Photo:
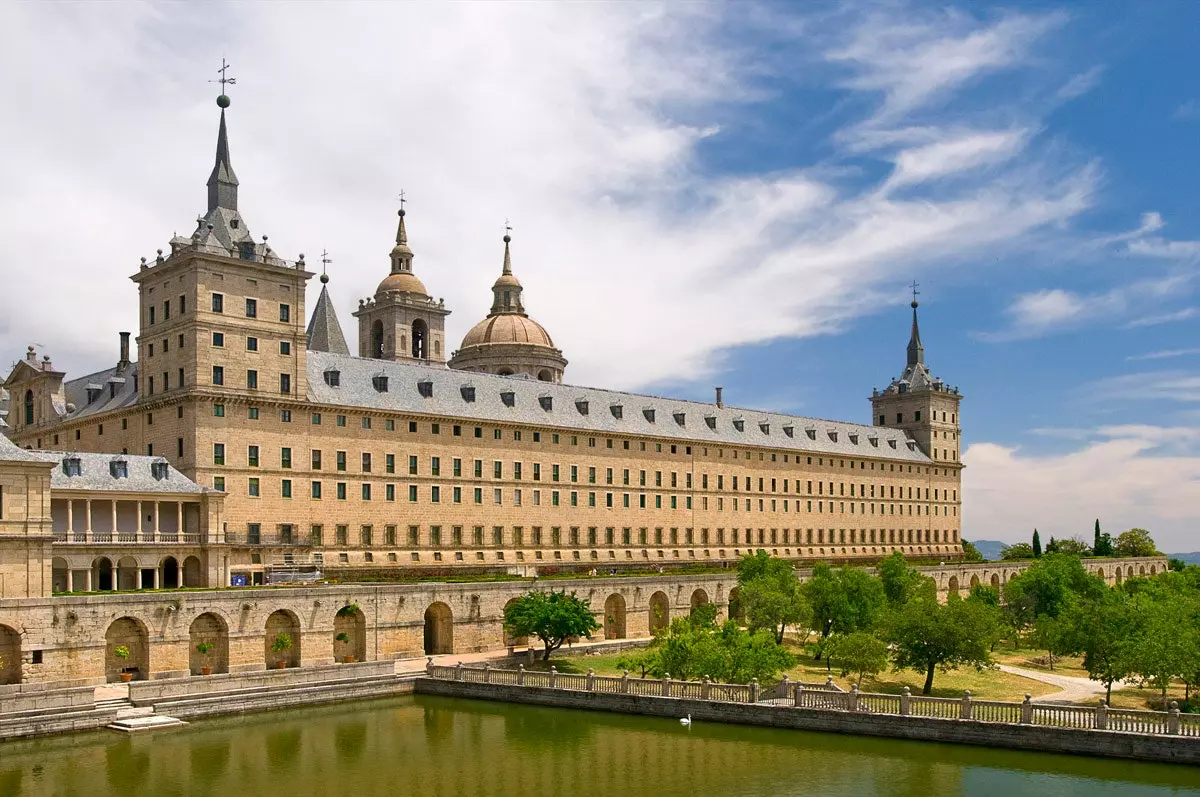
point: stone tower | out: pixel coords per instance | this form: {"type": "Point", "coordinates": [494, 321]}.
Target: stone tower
{"type": "Point", "coordinates": [508, 341]}
{"type": "Point", "coordinates": [922, 405]}
{"type": "Point", "coordinates": [402, 322]}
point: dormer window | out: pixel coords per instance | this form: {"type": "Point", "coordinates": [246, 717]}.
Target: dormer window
{"type": "Point", "coordinates": [380, 383]}
{"type": "Point", "coordinates": [508, 398]}
{"type": "Point", "coordinates": [711, 420]}
{"type": "Point", "coordinates": [72, 466]}
{"type": "Point", "coordinates": [739, 424]}
{"type": "Point", "coordinates": [547, 402]}
{"type": "Point", "coordinates": [892, 443]}
{"type": "Point", "coordinates": [912, 446]}
{"type": "Point", "coordinates": [468, 393]}
{"type": "Point", "coordinates": [649, 413]}
{"type": "Point", "coordinates": [246, 250]}
{"type": "Point", "coordinates": [680, 418]}
{"type": "Point", "coordinates": [160, 470]}
{"type": "Point", "coordinates": [425, 388]}
{"type": "Point", "coordinates": [833, 436]}
{"type": "Point", "coordinates": [582, 406]}
{"type": "Point", "coordinates": [617, 411]}
{"type": "Point", "coordinates": [811, 432]}
{"type": "Point", "coordinates": [93, 392]}
{"type": "Point", "coordinates": [119, 469]}
{"type": "Point", "coordinates": [333, 378]}
{"type": "Point", "coordinates": [764, 427]}
{"type": "Point", "coordinates": [853, 438]}
{"type": "Point", "coordinates": [874, 441]}
{"type": "Point", "coordinates": [789, 430]}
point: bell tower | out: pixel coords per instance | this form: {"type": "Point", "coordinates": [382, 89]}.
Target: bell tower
{"type": "Point", "coordinates": [921, 404]}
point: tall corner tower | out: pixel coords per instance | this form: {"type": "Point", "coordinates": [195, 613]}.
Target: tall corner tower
{"type": "Point", "coordinates": [402, 322]}
{"type": "Point", "coordinates": [922, 405]}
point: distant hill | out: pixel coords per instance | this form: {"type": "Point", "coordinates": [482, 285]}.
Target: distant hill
{"type": "Point", "coordinates": [1191, 558]}
{"type": "Point", "coordinates": [991, 548]}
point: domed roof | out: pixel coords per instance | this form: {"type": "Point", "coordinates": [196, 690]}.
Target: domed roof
{"type": "Point", "coordinates": [508, 328]}
{"type": "Point", "coordinates": [404, 281]}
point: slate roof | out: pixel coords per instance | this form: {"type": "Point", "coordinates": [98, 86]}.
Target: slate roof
{"type": "Point", "coordinates": [96, 473]}
{"type": "Point", "coordinates": [115, 388]}
{"type": "Point", "coordinates": [4, 405]}
{"type": "Point", "coordinates": [11, 452]}
{"type": "Point", "coordinates": [324, 331]}
{"type": "Point", "coordinates": [522, 400]}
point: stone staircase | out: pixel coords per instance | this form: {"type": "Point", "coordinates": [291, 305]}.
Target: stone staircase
{"type": "Point", "coordinates": [132, 719]}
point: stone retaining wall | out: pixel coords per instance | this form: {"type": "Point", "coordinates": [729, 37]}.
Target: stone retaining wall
{"type": "Point", "coordinates": [145, 693]}
{"type": "Point", "coordinates": [1166, 749]}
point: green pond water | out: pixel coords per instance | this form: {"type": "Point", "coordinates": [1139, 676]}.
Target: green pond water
{"type": "Point", "coordinates": [441, 746]}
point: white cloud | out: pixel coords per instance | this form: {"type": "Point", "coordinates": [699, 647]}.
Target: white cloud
{"type": "Point", "coordinates": [1163, 318]}
{"type": "Point", "coordinates": [1176, 386]}
{"type": "Point", "coordinates": [1127, 476]}
{"type": "Point", "coordinates": [1189, 109]}
{"type": "Point", "coordinates": [578, 122]}
{"type": "Point", "coordinates": [1081, 84]}
{"type": "Point", "coordinates": [1164, 354]}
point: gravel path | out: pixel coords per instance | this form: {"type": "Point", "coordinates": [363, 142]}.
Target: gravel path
{"type": "Point", "coordinates": [1072, 689]}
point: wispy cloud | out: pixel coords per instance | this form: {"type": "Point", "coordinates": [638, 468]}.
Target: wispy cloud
{"type": "Point", "coordinates": [1163, 318]}
{"type": "Point", "coordinates": [1187, 110]}
{"type": "Point", "coordinates": [1165, 354]}
{"type": "Point", "coordinates": [1080, 84]}
{"type": "Point", "coordinates": [1175, 386]}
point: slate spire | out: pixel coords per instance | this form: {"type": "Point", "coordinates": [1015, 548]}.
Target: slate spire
{"type": "Point", "coordinates": [324, 332]}
{"type": "Point", "coordinates": [916, 352]}
{"type": "Point", "coordinates": [222, 183]}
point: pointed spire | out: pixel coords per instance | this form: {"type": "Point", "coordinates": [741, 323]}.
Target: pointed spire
{"type": "Point", "coordinates": [222, 183]}
{"type": "Point", "coordinates": [507, 255]}
{"type": "Point", "coordinates": [916, 351]}
{"type": "Point", "coordinates": [507, 289]}
{"type": "Point", "coordinates": [324, 331]}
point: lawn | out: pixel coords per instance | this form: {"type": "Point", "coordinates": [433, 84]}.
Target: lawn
{"type": "Point", "coordinates": [1036, 660]}
{"type": "Point", "coordinates": [1148, 699]}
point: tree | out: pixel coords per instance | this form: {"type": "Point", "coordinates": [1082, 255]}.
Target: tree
{"type": "Point", "coordinates": [1020, 550]}
{"type": "Point", "coordinates": [1037, 545]}
{"type": "Point", "coordinates": [971, 553]}
{"type": "Point", "coordinates": [553, 617]}
{"type": "Point", "coordinates": [843, 601]}
{"type": "Point", "coordinates": [927, 636]}
{"type": "Point", "coordinates": [1043, 591]}
{"type": "Point", "coordinates": [859, 652]}
{"type": "Point", "coordinates": [1100, 627]}
{"type": "Point", "coordinates": [770, 595]}
{"type": "Point", "coordinates": [990, 597]}
{"type": "Point", "coordinates": [900, 580]}
{"type": "Point", "coordinates": [1104, 546]}
{"type": "Point", "coordinates": [1072, 546]}
{"type": "Point", "coordinates": [1165, 642]}
{"type": "Point", "coordinates": [728, 653]}
{"type": "Point", "coordinates": [1135, 542]}
{"type": "Point", "coordinates": [1096, 538]}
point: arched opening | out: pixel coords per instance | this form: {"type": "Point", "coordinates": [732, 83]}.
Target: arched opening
{"type": "Point", "coordinates": [420, 333]}
{"type": "Point", "coordinates": [128, 573]}
{"type": "Point", "coordinates": [103, 575]}
{"type": "Point", "coordinates": [1141, 570]}
{"type": "Point", "coordinates": [511, 641]}
{"type": "Point", "coordinates": [614, 616]}
{"type": "Point", "coordinates": [699, 598]}
{"type": "Point", "coordinates": [437, 349]}
{"type": "Point", "coordinates": [1117, 575]}
{"type": "Point", "coordinates": [974, 582]}
{"type": "Point", "coordinates": [281, 641]}
{"type": "Point", "coordinates": [349, 634]}
{"type": "Point", "coordinates": [169, 576]}
{"type": "Point", "coordinates": [126, 636]}
{"type": "Point", "coordinates": [209, 640]}
{"type": "Point", "coordinates": [952, 586]}
{"type": "Point", "coordinates": [735, 606]}
{"type": "Point", "coordinates": [544, 375]}
{"type": "Point", "coordinates": [29, 408]}
{"type": "Point", "coordinates": [660, 612]}
{"type": "Point", "coordinates": [505, 372]}
{"type": "Point", "coordinates": [1153, 569]}
{"type": "Point", "coordinates": [439, 629]}
{"type": "Point", "coordinates": [58, 574]}
{"type": "Point", "coordinates": [377, 340]}
{"type": "Point", "coordinates": [995, 581]}
{"type": "Point", "coordinates": [10, 656]}
{"type": "Point", "coordinates": [193, 573]}
{"type": "Point", "coordinates": [1100, 572]}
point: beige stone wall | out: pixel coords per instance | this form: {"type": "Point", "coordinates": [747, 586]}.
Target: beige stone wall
{"type": "Point", "coordinates": [24, 529]}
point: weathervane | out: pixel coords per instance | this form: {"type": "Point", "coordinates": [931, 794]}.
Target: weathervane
{"type": "Point", "coordinates": [223, 100]}
{"type": "Point", "coordinates": [325, 261]}
{"type": "Point", "coordinates": [402, 198]}
{"type": "Point", "coordinates": [507, 230]}
{"type": "Point", "coordinates": [915, 292]}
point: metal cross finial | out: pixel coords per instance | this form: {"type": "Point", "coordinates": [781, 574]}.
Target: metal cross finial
{"type": "Point", "coordinates": [914, 290]}
{"type": "Point", "coordinates": [507, 227]}
{"type": "Point", "coordinates": [325, 261]}
{"type": "Point", "coordinates": [223, 80]}
{"type": "Point", "coordinates": [402, 198]}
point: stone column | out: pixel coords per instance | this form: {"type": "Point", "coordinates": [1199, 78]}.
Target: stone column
{"type": "Point", "coordinates": [157, 579]}
{"type": "Point", "coordinates": [112, 575]}
{"type": "Point", "coordinates": [114, 519]}
{"type": "Point", "coordinates": [179, 521]}
{"type": "Point", "coordinates": [69, 582]}
{"type": "Point", "coordinates": [88, 581]}
{"type": "Point", "coordinates": [156, 530]}
{"type": "Point", "coordinates": [70, 520]}
{"type": "Point", "coordinates": [138, 528]}
{"type": "Point", "coordinates": [87, 528]}
{"type": "Point", "coordinates": [178, 573]}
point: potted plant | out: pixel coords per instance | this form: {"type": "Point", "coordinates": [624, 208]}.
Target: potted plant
{"type": "Point", "coordinates": [281, 644]}
{"type": "Point", "coordinates": [344, 638]}
{"type": "Point", "coordinates": [122, 653]}
{"type": "Point", "coordinates": [203, 649]}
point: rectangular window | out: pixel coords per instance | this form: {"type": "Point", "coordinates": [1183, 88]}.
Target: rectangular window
{"type": "Point", "coordinates": [316, 459]}
{"type": "Point", "coordinates": [252, 456]}
{"type": "Point", "coordinates": [341, 460]}
{"type": "Point", "coordinates": [366, 422]}
{"type": "Point", "coordinates": [285, 313]}
{"type": "Point", "coordinates": [251, 344]}
{"type": "Point", "coordinates": [366, 462]}
{"type": "Point", "coordinates": [219, 483]}
{"type": "Point", "coordinates": [218, 453]}
{"type": "Point", "coordinates": [478, 495]}
{"type": "Point", "coordinates": [389, 492]}
{"type": "Point", "coordinates": [253, 488]}
{"type": "Point", "coordinates": [218, 303]}
{"type": "Point", "coordinates": [218, 410]}
{"type": "Point", "coordinates": [218, 375]}
{"type": "Point", "coordinates": [316, 490]}
{"type": "Point", "coordinates": [435, 494]}
{"type": "Point", "coordinates": [389, 463]}
{"type": "Point", "coordinates": [286, 488]}
{"type": "Point", "coordinates": [517, 471]}
{"type": "Point", "coordinates": [252, 380]}
{"type": "Point", "coordinates": [218, 340]}
{"type": "Point", "coordinates": [412, 465]}
{"type": "Point", "coordinates": [252, 412]}
{"type": "Point", "coordinates": [341, 491]}
{"type": "Point", "coordinates": [457, 466]}
{"type": "Point", "coordinates": [497, 469]}
{"type": "Point", "coordinates": [316, 419]}
{"type": "Point", "coordinates": [285, 383]}
{"type": "Point", "coordinates": [285, 347]}
{"type": "Point", "coordinates": [435, 466]}
{"type": "Point", "coordinates": [366, 491]}
{"type": "Point", "coordinates": [252, 308]}
{"type": "Point", "coordinates": [412, 493]}
{"type": "Point", "coordinates": [341, 420]}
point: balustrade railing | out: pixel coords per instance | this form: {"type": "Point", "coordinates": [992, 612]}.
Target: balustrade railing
{"type": "Point", "coordinates": [126, 537]}
{"type": "Point", "coordinates": [829, 697]}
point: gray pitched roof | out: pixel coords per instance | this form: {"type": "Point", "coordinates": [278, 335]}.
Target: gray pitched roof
{"type": "Point", "coordinates": [11, 452]}
{"type": "Point", "coordinates": [96, 473]}
{"type": "Point", "coordinates": [110, 389]}
{"type": "Point", "coordinates": [324, 331]}
{"type": "Point", "coordinates": [568, 407]}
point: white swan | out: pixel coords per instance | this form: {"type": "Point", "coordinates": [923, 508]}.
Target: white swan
{"type": "Point", "coordinates": [686, 720]}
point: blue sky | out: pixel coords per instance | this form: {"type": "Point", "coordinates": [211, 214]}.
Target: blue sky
{"type": "Point", "coordinates": [730, 194]}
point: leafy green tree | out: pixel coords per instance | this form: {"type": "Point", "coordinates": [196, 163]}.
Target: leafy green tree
{"type": "Point", "coordinates": [1037, 545]}
{"type": "Point", "coordinates": [971, 553]}
{"type": "Point", "coordinates": [1044, 590]}
{"type": "Point", "coordinates": [990, 597]}
{"type": "Point", "coordinates": [1017, 551]}
{"type": "Point", "coordinates": [704, 614]}
{"type": "Point", "coordinates": [770, 595]}
{"type": "Point", "coordinates": [1165, 642]}
{"type": "Point", "coordinates": [860, 652]}
{"type": "Point", "coordinates": [1072, 546]}
{"type": "Point", "coordinates": [1105, 546]}
{"type": "Point", "coordinates": [1135, 542]}
{"type": "Point", "coordinates": [843, 601]}
{"type": "Point", "coordinates": [728, 653]}
{"type": "Point", "coordinates": [927, 636]}
{"type": "Point", "coordinates": [1100, 627]}
{"type": "Point", "coordinates": [900, 580]}
{"type": "Point", "coordinates": [553, 617]}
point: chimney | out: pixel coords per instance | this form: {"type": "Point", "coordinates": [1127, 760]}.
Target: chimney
{"type": "Point", "coordinates": [124, 361]}
{"type": "Point", "coordinates": [720, 403]}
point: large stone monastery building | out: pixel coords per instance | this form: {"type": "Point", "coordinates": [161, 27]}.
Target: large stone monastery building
{"type": "Point", "coordinates": [410, 455]}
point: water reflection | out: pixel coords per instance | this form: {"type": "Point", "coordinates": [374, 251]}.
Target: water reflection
{"type": "Point", "coordinates": [435, 747]}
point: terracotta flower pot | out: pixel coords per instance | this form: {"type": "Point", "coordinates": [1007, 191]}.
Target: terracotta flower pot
{"type": "Point", "coordinates": [349, 659]}
{"type": "Point", "coordinates": [281, 665]}
{"type": "Point", "coordinates": [126, 677]}
{"type": "Point", "coordinates": [206, 670]}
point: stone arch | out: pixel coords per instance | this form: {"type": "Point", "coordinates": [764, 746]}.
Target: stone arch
{"type": "Point", "coordinates": [130, 633]}
{"type": "Point", "coordinates": [350, 621]}
{"type": "Point", "coordinates": [505, 372]}
{"type": "Point", "coordinates": [59, 568]}
{"type": "Point", "coordinates": [193, 572]}
{"type": "Point", "coordinates": [29, 408]}
{"type": "Point", "coordinates": [1100, 572]}
{"type": "Point", "coordinates": [660, 611]}
{"type": "Point", "coordinates": [128, 573]}
{"type": "Point", "coordinates": [699, 598]}
{"type": "Point", "coordinates": [735, 606]}
{"type": "Point", "coordinates": [103, 574]}
{"type": "Point", "coordinates": [286, 623]}
{"type": "Point", "coordinates": [1141, 570]}
{"type": "Point", "coordinates": [614, 616]}
{"type": "Point", "coordinates": [511, 641]}
{"type": "Point", "coordinates": [208, 629]}
{"type": "Point", "coordinates": [377, 340]}
{"type": "Point", "coordinates": [168, 575]}
{"type": "Point", "coordinates": [974, 581]}
{"type": "Point", "coordinates": [952, 586]}
{"type": "Point", "coordinates": [1153, 570]}
{"type": "Point", "coordinates": [439, 629]}
{"type": "Point", "coordinates": [10, 655]}
{"type": "Point", "coordinates": [995, 581]}
{"type": "Point", "coordinates": [420, 339]}
{"type": "Point", "coordinates": [1117, 575]}
{"type": "Point", "coordinates": [544, 375]}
